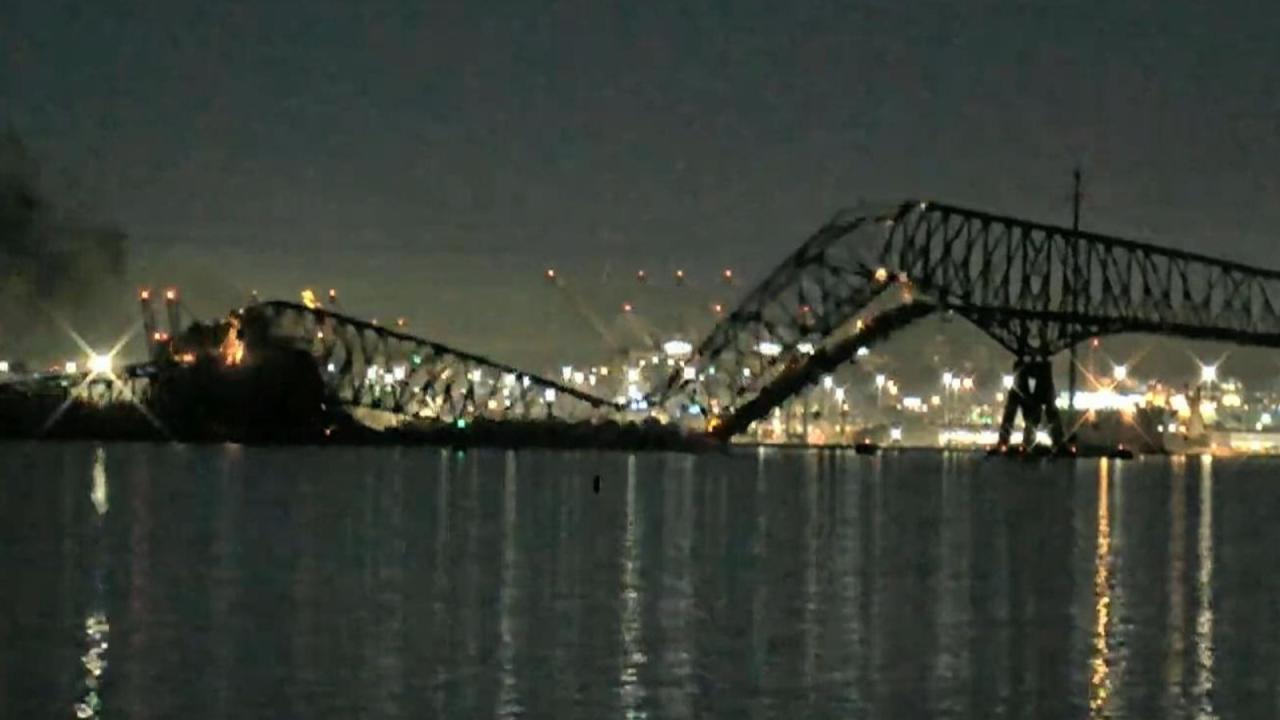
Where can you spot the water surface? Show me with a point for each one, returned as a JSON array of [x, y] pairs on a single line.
[[226, 582]]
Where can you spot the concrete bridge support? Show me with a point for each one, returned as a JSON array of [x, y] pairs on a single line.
[[1032, 394]]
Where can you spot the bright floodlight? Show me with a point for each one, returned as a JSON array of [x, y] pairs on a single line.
[[1007, 381], [4, 366], [1208, 373], [549, 395], [946, 378], [880, 380], [1120, 372], [677, 348], [895, 434], [827, 382], [863, 351], [70, 367], [99, 364], [769, 349]]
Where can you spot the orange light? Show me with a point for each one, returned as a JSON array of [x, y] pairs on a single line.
[[171, 294], [626, 307], [160, 336], [717, 308], [400, 322], [551, 273], [679, 275], [232, 348], [333, 295], [641, 276], [144, 295], [728, 274]]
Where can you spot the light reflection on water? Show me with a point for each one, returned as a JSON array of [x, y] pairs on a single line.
[[246, 583]]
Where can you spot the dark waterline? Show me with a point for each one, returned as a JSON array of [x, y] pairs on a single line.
[[231, 582]]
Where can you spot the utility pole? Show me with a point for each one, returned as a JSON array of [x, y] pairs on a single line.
[[1074, 276]]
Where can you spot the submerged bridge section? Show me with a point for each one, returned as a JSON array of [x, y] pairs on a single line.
[[1036, 289], [371, 367]]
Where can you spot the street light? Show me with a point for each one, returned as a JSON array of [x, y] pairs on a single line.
[[1208, 373], [100, 364]]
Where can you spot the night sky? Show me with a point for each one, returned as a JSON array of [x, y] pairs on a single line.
[[430, 159]]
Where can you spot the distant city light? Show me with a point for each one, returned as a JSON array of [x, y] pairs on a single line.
[[839, 394], [331, 367], [1264, 419], [728, 275], [551, 273], [641, 276], [746, 372], [689, 372], [805, 348], [99, 364], [717, 308], [882, 275], [69, 367], [144, 294], [863, 351], [1120, 372], [580, 377], [399, 372], [677, 348], [4, 366], [171, 294], [549, 395], [626, 307], [946, 378], [913, 403], [769, 349], [1104, 400], [880, 380], [1208, 373], [895, 434], [566, 372], [633, 374], [679, 276], [967, 384], [827, 382]]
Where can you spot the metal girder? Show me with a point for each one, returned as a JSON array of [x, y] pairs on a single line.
[[377, 368], [1036, 289]]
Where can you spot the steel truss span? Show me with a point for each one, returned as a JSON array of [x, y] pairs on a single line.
[[377, 368], [1036, 289]]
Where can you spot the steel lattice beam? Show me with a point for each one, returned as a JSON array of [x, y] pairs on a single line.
[[373, 367], [1036, 289]]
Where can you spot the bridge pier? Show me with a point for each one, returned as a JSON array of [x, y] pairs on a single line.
[[1032, 394]]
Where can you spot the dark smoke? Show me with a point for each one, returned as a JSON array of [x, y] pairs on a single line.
[[53, 264]]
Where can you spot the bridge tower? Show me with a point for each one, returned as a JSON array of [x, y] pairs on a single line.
[[1032, 394]]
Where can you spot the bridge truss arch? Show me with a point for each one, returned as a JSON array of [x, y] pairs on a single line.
[[1035, 288], [371, 367]]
